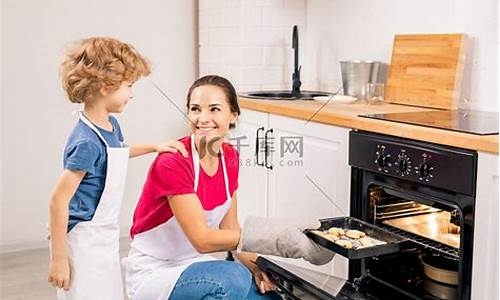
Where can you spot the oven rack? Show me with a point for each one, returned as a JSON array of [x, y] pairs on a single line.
[[401, 209], [425, 242]]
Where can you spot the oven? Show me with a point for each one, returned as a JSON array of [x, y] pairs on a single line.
[[420, 192]]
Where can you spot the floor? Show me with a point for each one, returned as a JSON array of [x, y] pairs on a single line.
[[23, 275]]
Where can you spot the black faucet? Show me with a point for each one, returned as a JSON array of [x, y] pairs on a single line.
[[296, 69]]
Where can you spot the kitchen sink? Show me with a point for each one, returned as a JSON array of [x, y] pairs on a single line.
[[285, 95], [294, 93]]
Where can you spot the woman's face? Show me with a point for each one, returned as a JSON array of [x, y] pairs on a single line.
[[209, 113]]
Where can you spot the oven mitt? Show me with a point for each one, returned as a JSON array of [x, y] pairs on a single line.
[[282, 237]]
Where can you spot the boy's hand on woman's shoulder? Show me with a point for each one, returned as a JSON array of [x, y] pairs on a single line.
[[173, 147]]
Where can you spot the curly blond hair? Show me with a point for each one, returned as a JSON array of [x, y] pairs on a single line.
[[98, 63]]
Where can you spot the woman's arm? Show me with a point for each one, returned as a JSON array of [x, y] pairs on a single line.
[[190, 215], [170, 146], [248, 259], [59, 271]]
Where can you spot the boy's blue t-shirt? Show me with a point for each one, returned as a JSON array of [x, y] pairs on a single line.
[[85, 151]]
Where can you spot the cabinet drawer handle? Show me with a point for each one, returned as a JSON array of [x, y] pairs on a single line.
[[266, 152], [257, 143]]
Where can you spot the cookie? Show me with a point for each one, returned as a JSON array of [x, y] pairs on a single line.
[[355, 234], [366, 241], [336, 231], [331, 237], [344, 243]]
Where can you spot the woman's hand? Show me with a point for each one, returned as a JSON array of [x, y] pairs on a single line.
[[282, 237], [264, 284], [173, 147], [59, 273]]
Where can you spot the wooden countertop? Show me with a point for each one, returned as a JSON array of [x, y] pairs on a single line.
[[346, 115]]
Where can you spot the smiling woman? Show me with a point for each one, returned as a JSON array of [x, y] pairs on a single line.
[[188, 209], [212, 110], [224, 93]]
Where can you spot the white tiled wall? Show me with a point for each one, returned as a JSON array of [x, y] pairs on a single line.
[[249, 42]]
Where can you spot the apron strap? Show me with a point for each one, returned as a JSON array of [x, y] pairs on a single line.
[[224, 171], [196, 165], [92, 126]]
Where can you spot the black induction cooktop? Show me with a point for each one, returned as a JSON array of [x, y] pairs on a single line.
[[468, 121]]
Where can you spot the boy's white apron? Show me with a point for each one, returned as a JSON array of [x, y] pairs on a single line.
[[93, 246], [158, 256]]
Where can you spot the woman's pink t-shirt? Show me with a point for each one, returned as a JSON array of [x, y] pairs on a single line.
[[172, 174]]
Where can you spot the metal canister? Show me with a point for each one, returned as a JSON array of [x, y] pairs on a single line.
[[355, 76]]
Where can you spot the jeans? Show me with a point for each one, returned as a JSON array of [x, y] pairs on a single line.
[[218, 280]]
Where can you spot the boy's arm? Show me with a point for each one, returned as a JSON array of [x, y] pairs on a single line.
[[170, 146], [65, 188]]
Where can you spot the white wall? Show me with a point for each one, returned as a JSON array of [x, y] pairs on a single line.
[[36, 117], [360, 29]]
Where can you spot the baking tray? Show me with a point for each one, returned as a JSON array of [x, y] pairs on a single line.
[[393, 242]]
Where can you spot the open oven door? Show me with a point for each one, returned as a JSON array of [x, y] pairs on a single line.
[[295, 283]]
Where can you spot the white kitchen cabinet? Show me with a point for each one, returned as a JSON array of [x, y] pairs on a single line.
[[310, 178], [485, 255], [253, 180], [307, 175], [314, 183]]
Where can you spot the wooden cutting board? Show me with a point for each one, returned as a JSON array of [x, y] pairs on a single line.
[[426, 70]]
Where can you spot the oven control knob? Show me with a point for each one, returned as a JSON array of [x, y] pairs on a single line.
[[425, 171], [403, 164], [382, 160]]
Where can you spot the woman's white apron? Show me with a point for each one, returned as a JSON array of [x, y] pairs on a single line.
[[158, 256]]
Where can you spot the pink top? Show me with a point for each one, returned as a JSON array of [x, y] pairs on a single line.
[[172, 174]]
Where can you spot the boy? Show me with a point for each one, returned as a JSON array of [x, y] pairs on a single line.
[[98, 72]]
